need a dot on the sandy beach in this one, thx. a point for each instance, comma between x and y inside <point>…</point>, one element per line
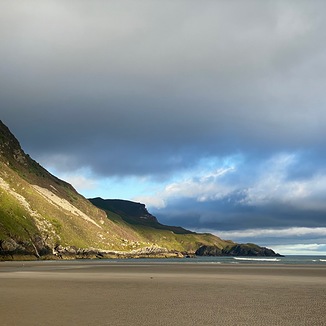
<point>141,293</point>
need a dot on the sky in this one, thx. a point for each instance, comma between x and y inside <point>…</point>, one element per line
<point>212,113</point>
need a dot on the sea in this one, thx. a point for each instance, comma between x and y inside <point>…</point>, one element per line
<point>229,260</point>
<point>287,260</point>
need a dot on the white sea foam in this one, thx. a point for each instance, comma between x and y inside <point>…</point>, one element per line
<point>322,259</point>
<point>256,259</point>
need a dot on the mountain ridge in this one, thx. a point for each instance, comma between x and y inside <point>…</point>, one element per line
<point>44,217</point>
<point>133,212</point>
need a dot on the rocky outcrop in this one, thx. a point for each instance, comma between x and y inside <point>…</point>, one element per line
<point>91,253</point>
<point>247,249</point>
<point>132,210</point>
<point>251,250</point>
<point>209,251</point>
<point>35,247</point>
<point>135,214</point>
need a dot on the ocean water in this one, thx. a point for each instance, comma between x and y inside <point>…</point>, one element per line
<point>288,260</point>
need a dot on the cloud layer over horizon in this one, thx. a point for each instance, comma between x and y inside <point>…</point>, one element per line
<point>212,113</point>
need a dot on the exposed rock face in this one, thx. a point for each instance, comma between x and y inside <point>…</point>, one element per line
<point>35,247</point>
<point>74,252</point>
<point>251,250</point>
<point>209,251</point>
<point>248,249</point>
<point>150,250</point>
<point>135,214</point>
<point>125,207</point>
<point>9,145</point>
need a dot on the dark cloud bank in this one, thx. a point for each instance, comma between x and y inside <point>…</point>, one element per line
<point>151,88</point>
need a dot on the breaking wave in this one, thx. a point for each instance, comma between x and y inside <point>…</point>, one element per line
<point>257,259</point>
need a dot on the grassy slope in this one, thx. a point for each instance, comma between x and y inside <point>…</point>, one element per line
<point>60,226</point>
<point>170,237</point>
<point>27,215</point>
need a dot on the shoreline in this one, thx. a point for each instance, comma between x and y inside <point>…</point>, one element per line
<point>160,293</point>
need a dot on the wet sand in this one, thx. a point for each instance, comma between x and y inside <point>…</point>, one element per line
<point>125,293</point>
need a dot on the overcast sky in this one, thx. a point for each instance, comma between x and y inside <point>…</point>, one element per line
<point>212,113</point>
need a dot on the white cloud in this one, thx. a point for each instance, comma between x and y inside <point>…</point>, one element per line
<point>81,179</point>
<point>268,184</point>
<point>201,187</point>
<point>81,182</point>
<point>233,187</point>
<point>272,185</point>
<point>292,232</point>
<point>301,249</point>
<point>286,239</point>
<point>151,201</point>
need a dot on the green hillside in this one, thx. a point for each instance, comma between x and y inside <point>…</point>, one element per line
<point>136,216</point>
<point>43,217</point>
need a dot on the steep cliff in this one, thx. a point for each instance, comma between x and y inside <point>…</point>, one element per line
<point>42,216</point>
